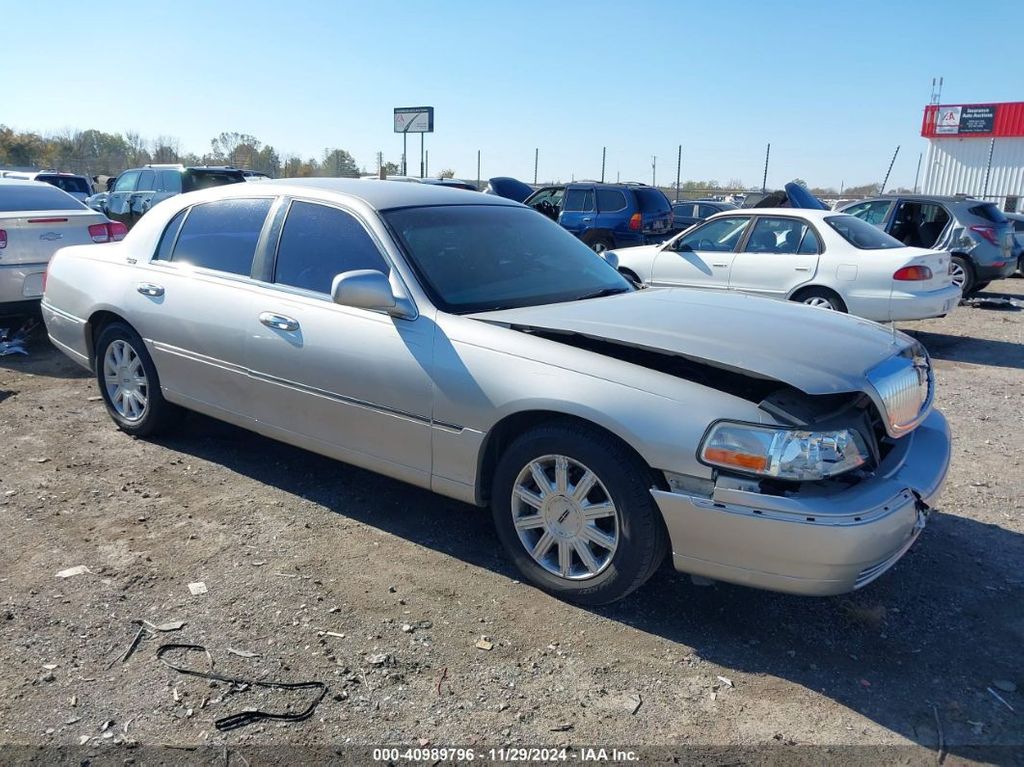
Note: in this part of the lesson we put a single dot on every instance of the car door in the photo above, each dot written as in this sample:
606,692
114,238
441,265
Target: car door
702,256
141,199
192,300
610,206
350,382
780,254
118,205
578,211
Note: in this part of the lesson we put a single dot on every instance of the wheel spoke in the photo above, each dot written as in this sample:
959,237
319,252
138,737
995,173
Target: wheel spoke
543,545
528,497
593,511
529,523
599,537
543,483
586,555
564,558
584,486
561,473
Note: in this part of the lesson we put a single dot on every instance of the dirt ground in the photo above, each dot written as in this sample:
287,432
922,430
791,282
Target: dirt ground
382,591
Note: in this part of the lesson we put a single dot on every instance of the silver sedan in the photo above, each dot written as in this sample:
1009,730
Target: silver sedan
468,345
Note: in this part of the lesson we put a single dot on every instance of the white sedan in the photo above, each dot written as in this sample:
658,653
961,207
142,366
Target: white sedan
816,257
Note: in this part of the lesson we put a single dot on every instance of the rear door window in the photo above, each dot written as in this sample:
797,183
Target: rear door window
147,181
776,235
222,235
318,243
609,200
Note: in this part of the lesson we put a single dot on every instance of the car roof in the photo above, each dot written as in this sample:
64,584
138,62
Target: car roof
811,214
8,181
381,195
939,197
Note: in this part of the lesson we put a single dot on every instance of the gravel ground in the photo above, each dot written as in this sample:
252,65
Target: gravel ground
318,571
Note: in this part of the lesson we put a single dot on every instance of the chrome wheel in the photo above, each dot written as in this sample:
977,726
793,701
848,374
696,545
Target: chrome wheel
565,517
599,247
125,380
820,301
959,274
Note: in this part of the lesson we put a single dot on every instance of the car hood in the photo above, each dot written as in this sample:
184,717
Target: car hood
811,349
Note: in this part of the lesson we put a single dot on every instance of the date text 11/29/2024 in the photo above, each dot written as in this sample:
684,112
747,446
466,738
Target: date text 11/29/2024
436,754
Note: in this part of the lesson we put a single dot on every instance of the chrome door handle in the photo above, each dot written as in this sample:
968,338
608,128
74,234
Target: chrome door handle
587,218
720,265
802,268
149,289
278,321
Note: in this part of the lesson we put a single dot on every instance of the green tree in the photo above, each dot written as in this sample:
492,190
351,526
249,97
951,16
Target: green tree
339,163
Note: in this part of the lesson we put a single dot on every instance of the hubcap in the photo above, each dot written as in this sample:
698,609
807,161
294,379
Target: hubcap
565,518
959,275
820,301
600,247
125,380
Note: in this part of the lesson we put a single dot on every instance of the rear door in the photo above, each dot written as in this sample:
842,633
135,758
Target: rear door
578,209
779,255
611,206
120,198
191,303
701,257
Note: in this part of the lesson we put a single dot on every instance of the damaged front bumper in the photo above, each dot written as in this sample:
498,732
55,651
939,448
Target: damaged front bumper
812,544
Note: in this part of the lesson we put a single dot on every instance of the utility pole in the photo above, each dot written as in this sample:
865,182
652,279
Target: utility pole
604,151
654,170
536,160
422,161
405,151
679,170
764,178
477,168
917,175
426,164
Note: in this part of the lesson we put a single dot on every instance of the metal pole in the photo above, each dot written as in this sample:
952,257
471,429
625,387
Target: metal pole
988,168
422,163
679,170
477,168
536,160
426,164
405,148
604,152
918,174
891,163
654,170
764,178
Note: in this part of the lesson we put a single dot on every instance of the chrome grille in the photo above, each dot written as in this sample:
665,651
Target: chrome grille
904,385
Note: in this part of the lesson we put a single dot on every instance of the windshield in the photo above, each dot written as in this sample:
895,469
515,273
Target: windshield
861,234
16,197
70,184
477,258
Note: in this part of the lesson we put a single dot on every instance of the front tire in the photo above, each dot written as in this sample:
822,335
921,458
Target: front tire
129,383
573,508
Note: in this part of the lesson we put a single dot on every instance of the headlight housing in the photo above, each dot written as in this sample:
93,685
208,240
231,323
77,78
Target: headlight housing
792,454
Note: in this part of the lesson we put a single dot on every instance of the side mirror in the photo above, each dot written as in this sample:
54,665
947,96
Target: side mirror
363,289
610,258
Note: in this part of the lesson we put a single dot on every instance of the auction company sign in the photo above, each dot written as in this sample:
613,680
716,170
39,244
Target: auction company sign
960,120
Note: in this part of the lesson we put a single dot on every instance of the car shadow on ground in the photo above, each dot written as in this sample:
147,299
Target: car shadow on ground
976,351
921,644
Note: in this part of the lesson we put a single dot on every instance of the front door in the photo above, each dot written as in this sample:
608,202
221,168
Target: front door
347,382
118,206
779,255
701,257
578,210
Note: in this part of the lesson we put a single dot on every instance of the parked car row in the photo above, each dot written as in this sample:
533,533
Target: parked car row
467,345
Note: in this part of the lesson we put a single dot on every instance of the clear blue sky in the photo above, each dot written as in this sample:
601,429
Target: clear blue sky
833,86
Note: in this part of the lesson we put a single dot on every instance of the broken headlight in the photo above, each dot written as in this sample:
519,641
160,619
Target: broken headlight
792,454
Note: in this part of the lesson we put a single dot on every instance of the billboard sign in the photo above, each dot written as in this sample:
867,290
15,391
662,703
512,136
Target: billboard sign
961,120
414,119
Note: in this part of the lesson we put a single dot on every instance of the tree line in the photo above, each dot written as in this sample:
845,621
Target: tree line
94,152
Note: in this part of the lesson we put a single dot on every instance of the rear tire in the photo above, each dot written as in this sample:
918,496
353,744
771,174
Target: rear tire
129,384
980,286
963,275
598,242
573,508
823,298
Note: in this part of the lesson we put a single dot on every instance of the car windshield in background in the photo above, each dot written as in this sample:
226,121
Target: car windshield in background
652,200
861,234
70,184
17,197
474,258
989,212
205,179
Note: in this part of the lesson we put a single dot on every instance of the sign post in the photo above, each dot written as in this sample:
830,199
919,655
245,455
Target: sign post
413,120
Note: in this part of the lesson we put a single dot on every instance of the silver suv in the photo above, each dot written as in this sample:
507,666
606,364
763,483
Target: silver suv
976,233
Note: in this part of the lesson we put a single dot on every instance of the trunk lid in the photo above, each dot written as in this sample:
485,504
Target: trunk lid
936,260
34,236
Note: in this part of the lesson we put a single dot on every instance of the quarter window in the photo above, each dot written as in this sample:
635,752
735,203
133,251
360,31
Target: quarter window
810,243
222,235
163,250
318,243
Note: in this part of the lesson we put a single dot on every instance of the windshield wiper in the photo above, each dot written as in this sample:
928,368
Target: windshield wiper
604,292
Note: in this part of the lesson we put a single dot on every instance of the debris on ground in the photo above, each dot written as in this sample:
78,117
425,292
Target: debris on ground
15,343
378,659
197,588
164,627
483,643
242,718
72,571
561,727
726,681
243,653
